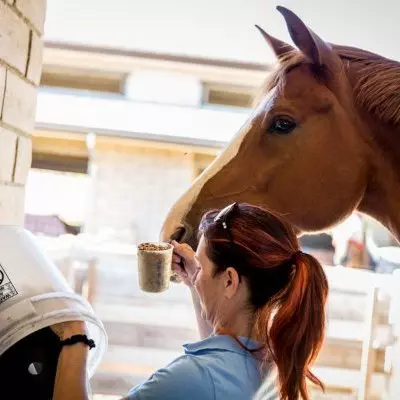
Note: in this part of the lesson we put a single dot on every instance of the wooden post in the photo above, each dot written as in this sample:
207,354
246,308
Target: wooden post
69,272
394,384
91,283
368,355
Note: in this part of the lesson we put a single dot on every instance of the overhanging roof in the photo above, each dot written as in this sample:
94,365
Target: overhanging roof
116,116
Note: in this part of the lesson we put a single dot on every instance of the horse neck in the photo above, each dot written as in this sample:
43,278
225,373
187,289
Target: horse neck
382,195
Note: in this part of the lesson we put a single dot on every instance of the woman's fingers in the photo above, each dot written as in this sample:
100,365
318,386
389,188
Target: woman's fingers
176,259
179,270
177,266
183,250
183,261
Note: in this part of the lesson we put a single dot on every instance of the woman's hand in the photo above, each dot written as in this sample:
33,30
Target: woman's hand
184,262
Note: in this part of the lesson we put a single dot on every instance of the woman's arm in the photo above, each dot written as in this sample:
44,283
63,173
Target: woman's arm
71,381
185,265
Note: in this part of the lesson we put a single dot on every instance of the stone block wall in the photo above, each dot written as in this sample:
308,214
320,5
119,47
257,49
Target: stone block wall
21,48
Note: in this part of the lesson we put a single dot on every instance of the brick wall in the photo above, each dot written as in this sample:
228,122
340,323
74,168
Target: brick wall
21,47
134,188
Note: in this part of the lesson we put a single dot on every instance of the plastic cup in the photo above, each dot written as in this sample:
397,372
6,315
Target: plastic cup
154,266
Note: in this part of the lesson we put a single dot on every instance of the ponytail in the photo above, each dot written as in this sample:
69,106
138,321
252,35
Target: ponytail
287,289
294,323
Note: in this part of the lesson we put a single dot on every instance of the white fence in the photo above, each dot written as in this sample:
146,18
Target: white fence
146,331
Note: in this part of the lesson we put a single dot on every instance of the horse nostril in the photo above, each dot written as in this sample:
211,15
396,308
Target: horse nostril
179,234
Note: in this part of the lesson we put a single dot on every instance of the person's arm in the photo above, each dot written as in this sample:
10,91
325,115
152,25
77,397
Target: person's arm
71,382
185,265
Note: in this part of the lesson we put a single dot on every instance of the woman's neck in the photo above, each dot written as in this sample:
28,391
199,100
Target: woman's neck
241,325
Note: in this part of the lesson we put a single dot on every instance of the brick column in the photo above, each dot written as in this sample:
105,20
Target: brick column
21,48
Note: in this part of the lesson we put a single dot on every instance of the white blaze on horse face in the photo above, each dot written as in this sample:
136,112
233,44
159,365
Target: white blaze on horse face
180,209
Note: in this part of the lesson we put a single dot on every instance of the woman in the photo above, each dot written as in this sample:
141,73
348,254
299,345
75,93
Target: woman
260,304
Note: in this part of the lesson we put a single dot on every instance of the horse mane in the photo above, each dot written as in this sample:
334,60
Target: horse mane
377,87
377,80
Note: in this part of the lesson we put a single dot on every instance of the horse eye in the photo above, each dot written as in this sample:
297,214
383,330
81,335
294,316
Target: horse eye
282,125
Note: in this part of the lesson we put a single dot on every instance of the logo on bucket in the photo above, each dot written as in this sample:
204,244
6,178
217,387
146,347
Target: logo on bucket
7,289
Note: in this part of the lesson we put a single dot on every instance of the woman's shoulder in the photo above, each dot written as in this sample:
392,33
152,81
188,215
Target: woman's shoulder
185,377
234,369
193,366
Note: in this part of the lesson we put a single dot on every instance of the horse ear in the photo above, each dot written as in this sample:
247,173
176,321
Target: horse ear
278,47
309,43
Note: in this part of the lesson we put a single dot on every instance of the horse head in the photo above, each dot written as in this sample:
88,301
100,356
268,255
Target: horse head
301,153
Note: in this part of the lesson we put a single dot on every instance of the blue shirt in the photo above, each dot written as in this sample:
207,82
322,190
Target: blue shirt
216,368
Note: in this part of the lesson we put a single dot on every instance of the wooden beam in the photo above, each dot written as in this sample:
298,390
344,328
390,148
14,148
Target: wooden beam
122,61
368,356
76,140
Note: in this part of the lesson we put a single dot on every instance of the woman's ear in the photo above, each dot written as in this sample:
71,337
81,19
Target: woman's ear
231,282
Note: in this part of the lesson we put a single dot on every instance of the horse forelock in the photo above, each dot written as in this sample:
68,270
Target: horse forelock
277,76
376,86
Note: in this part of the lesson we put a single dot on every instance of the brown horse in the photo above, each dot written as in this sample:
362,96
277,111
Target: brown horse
324,140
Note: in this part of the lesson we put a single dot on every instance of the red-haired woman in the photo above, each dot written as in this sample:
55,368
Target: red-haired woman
260,304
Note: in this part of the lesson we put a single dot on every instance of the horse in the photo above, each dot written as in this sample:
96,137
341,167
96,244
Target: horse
323,141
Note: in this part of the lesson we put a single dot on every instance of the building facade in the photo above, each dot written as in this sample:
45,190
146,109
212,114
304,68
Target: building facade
139,127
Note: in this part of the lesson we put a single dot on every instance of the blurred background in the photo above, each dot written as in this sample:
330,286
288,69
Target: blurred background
136,99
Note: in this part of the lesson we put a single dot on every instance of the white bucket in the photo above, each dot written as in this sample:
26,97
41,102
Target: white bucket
35,295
